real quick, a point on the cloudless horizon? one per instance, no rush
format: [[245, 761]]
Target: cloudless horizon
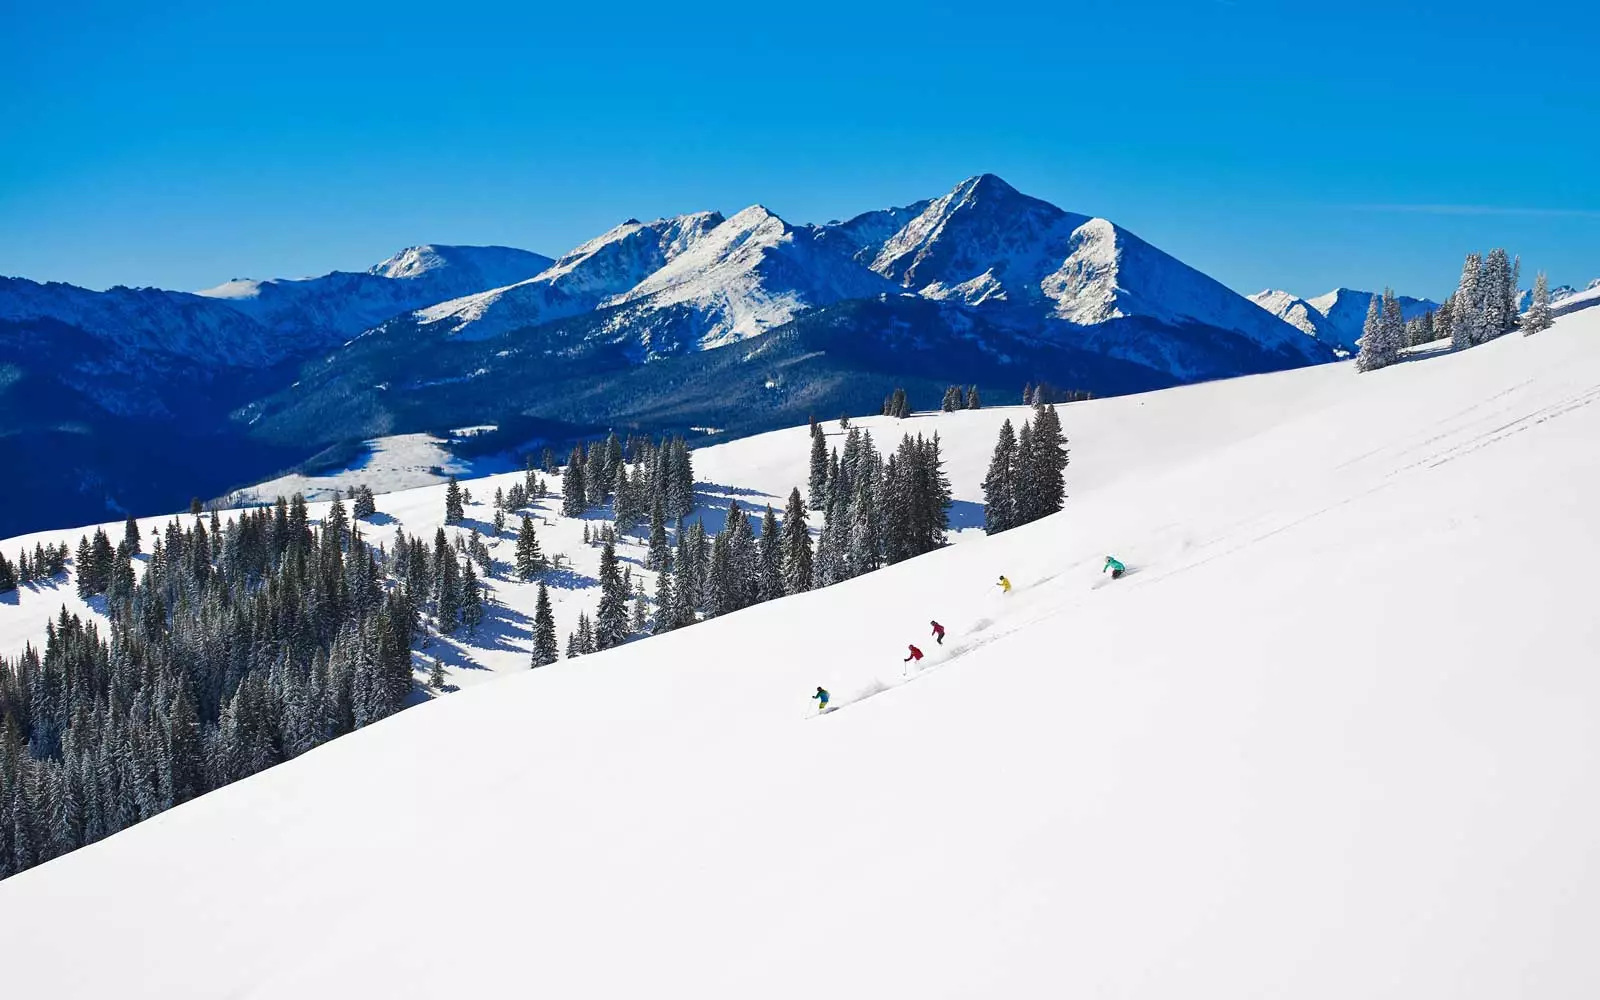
[[1268, 144]]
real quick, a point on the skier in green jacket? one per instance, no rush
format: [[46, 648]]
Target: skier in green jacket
[[1116, 568], [821, 698]]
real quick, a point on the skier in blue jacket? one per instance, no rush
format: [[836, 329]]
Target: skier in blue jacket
[[1116, 568], [821, 698]]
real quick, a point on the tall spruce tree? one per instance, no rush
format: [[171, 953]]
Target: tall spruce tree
[[819, 466], [611, 620], [544, 629], [574, 490], [1467, 305], [1372, 354], [796, 546], [1000, 485], [1538, 318], [770, 580], [454, 508]]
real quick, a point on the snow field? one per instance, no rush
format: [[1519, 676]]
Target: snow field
[[1332, 737]]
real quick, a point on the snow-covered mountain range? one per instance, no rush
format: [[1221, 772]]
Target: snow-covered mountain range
[[1336, 318], [981, 284]]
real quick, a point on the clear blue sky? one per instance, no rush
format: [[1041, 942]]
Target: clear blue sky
[[1295, 145]]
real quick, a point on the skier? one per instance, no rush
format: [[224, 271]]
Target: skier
[[916, 654], [1116, 568], [938, 632], [821, 698], [1005, 585]]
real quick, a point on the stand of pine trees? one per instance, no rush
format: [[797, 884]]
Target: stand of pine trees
[[1027, 475], [244, 644]]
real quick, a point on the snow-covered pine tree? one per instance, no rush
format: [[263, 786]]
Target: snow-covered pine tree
[[1000, 485], [548, 460], [574, 491], [130, 535], [611, 620], [769, 581], [641, 608], [1538, 318], [973, 401], [366, 504], [1051, 457], [1499, 297], [819, 466], [436, 679], [796, 546], [1466, 312], [544, 629], [338, 521], [454, 508], [471, 597], [1371, 355], [659, 556], [1027, 393], [666, 602], [1394, 327], [1028, 478]]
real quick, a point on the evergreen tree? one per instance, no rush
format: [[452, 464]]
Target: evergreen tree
[[436, 678], [574, 491], [666, 602], [454, 509], [1051, 458], [611, 621], [530, 560], [548, 460], [1467, 305], [770, 583], [1000, 485], [1498, 295], [1393, 326], [366, 504], [1025, 473], [1373, 353], [338, 521], [1443, 326], [641, 609], [8, 575], [819, 466], [130, 536], [471, 597], [973, 401], [544, 629], [952, 400], [1538, 318], [660, 554]]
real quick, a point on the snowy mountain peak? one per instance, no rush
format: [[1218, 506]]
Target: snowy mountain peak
[[1345, 310], [608, 265], [1298, 313]]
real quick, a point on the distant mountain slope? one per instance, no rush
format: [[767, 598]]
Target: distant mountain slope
[[1345, 309], [201, 329], [609, 264], [843, 357], [344, 303], [1300, 314]]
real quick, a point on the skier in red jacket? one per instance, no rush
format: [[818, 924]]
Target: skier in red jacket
[[916, 654], [938, 632]]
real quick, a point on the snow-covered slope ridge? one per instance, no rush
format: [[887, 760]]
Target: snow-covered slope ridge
[[1346, 312], [1298, 313], [986, 242], [611, 263], [177, 323], [1196, 782], [751, 273], [345, 303]]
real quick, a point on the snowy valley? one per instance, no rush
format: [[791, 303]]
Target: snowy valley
[[1340, 706]]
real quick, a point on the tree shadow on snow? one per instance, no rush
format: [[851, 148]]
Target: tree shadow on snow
[[568, 579]]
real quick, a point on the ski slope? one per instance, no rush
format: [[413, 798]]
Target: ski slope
[[1333, 737]]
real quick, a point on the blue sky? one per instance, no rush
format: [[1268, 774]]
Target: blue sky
[[1286, 144]]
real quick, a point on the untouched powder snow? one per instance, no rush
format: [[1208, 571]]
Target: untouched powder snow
[[1332, 737]]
